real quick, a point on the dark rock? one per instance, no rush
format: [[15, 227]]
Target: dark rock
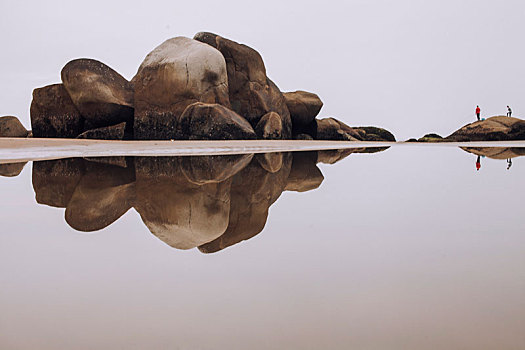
[[252, 94], [499, 128], [305, 137], [303, 106], [54, 181], [332, 129], [11, 169], [253, 191], [179, 72], [304, 175], [103, 194], [11, 127], [372, 133], [102, 96], [53, 114], [114, 132], [201, 121], [270, 127], [431, 138]]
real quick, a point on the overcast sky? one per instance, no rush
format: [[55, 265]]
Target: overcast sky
[[410, 66]]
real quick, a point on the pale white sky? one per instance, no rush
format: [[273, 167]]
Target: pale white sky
[[409, 66]]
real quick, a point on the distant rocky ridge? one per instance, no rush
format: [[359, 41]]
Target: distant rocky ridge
[[497, 128], [205, 88]]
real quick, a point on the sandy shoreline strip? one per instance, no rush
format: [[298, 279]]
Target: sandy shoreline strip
[[21, 150]]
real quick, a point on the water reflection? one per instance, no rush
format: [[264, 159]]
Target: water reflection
[[208, 202], [499, 153]]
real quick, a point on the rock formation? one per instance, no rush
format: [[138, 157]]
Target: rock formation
[[11, 127], [499, 128], [205, 88]]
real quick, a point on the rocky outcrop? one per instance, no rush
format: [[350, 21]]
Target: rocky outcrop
[[303, 106], [53, 113], [102, 96], [252, 94], [201, 121], [431, 138], [114, 132], [11, 127], [372, 133], [270, 127], [497, 128], [177, 73]]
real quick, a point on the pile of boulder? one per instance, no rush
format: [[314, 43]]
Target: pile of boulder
[[205, 88]]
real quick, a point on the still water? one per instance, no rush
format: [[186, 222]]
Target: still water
[[407, 248]]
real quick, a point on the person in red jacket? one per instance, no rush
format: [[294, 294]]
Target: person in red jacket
[[478, 163], [478, 111]]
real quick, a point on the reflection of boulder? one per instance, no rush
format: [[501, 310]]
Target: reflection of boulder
[[54, 181], [102, 96], [271, 162], [496, 152], [12, 127], [335, 155], [104, 194], [252, 93], [498, 128], [11, 169], [253, 191], [304, 175], [180, 213], [177, 73], [53, 113], [212, 169]]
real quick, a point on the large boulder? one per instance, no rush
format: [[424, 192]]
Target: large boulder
[[114, 132], [252, 94], [303, 106], [499, 128], [202, 121], [11, 127], [177, 73], [102, 96], [53, 113]]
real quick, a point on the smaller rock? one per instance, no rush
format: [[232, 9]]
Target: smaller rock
[[270, 127], [303, 137], [53, 114], [431, 138], [332, 129], [202, 121], [303, 106], [11, 169], [11, 127], [115, 132], [372, 133]]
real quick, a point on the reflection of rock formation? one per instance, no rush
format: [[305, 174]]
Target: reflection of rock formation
[[496, 152], [11, 169], [210, 202]]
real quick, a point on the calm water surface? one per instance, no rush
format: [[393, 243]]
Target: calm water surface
[[409, 248]]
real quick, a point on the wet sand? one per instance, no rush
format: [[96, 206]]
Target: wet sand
[[22, 150]]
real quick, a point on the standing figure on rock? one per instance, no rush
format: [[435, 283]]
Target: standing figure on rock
[[509, 111], [478, 112]]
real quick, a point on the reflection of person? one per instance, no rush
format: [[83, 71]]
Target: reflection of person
[[478, 112], [509, 111], [509, 163], [478, 163]]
